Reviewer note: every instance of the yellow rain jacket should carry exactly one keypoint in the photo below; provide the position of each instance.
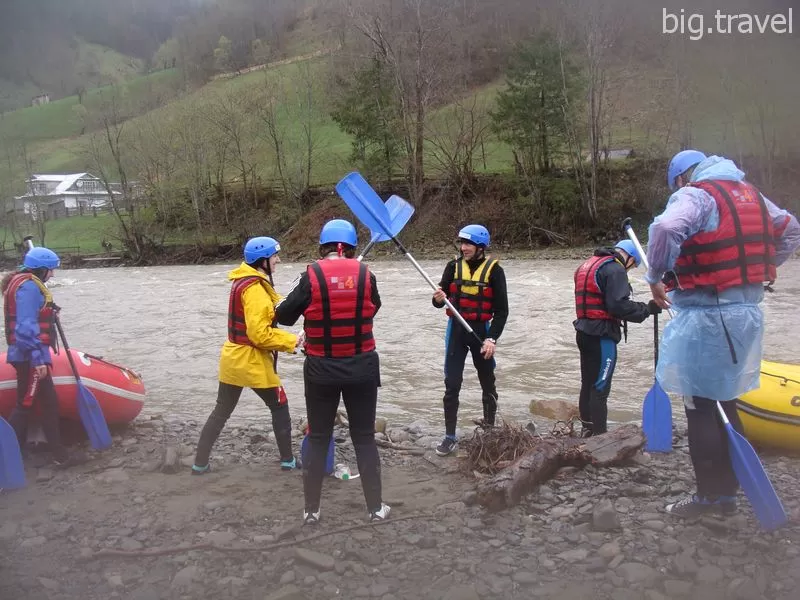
(249, 366)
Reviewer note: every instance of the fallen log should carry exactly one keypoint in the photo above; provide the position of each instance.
(548, 455)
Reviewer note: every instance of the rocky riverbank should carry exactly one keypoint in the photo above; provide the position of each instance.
(589, 533)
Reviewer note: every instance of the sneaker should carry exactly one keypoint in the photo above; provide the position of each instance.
(310, 518)
(201, 470)
(447, 446)
(288, 465)
(694, 506)
(381, 514)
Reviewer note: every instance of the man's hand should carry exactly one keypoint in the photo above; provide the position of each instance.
(439, 296)
(653, 307)
(41, 371)
(488, 348)
(660, 295)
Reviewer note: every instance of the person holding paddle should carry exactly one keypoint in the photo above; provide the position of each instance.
(476, 287)
(602, 305)
(30, 315)
(247, 358)
(711, 252)
(338, 297)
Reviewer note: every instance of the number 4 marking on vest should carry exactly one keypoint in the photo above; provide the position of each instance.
(350, 284)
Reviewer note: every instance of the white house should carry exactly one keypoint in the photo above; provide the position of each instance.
(63, 195)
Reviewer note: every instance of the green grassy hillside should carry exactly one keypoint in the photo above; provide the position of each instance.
(92, 65)
(64, 118)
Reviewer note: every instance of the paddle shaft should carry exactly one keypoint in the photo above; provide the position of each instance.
(366, 249)
(655, 340)
(66, 349)
(632, 235)
(420, 270)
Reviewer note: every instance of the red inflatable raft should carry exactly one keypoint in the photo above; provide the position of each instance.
(119, 391)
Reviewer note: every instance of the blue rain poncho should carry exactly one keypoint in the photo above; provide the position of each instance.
(694, 356)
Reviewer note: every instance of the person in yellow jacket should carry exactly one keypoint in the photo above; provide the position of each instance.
(250, 353)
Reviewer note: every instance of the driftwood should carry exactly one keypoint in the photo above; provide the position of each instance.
(539, 464)
(398, 448)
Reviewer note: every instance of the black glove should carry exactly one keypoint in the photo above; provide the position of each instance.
(654, 308)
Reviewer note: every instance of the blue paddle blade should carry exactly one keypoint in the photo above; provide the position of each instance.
(754, 481)
(400, 212)
(366, 205)
(12, 471)
(657, 420)
(92, 418)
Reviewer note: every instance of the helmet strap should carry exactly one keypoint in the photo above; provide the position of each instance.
(340, 249)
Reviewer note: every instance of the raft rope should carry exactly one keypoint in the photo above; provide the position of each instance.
(785, 379)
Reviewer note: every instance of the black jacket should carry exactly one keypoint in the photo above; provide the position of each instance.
(497, 280)
(321, 369)
(613, 281)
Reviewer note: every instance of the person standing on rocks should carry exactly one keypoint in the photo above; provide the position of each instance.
(713, 249)
(30, 315)
(602, 304)
(338, 297)
(249, 354)
(476, 287)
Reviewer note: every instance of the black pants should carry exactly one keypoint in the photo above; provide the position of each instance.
(360, 401)
(46, 401)
(708, 446)
(598, 359)
(459, 342)
(227, 399)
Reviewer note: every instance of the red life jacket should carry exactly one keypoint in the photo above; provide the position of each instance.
(470, 292)
(740, 251)
(338, 321)
(46, 312)
(590, 301)
(237, 328)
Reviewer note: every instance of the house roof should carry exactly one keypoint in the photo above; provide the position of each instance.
(65, 180)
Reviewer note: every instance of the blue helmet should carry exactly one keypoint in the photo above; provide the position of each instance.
(680, 163)
(475, 234)
(260, 247)
(338, 230)
(38, 258)
(629, 247)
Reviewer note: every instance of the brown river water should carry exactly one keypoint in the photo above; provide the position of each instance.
(168, 324)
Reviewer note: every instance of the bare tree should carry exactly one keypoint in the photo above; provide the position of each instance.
(229, 113)
(37, 205)
(413, 42)
(456, 136)
(107, 151)
(290, 119)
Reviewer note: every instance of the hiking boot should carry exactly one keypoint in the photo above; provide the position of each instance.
(381, 514)
(447, 446)
(483, 423)
(310, 518)
(201, 470)
(694, 506)
(290, 464)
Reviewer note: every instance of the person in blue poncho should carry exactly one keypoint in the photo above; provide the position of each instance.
(711, 252)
